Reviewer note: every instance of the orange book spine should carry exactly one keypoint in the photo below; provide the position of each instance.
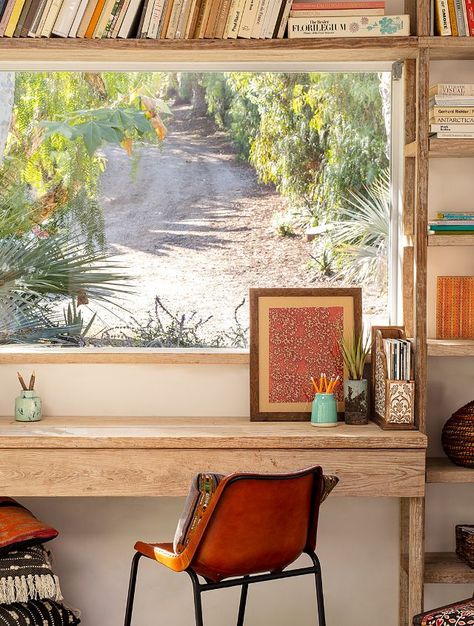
(94, 19)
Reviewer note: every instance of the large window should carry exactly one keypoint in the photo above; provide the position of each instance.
(138, 208)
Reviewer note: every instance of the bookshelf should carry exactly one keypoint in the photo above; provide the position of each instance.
(450, 240)
(450, 347)
(442, 470)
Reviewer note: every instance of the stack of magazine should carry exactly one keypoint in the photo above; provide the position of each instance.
(399, 361)
(452, 223)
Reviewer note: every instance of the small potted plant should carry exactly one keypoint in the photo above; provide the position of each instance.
(355, 355)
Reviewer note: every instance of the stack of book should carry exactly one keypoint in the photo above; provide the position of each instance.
(152, 19)
(452, 18)
(452, 223)
(399, 361)
(344, 19)
(452, 111)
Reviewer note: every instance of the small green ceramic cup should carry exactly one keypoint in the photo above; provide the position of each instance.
(324, 410)
(28, 407)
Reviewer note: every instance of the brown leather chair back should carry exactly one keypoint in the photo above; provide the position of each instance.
(259, 523)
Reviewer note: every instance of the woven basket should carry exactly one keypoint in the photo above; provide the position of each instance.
(458, 436)
(465, 543)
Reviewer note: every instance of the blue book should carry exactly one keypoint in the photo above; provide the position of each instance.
(451, 227)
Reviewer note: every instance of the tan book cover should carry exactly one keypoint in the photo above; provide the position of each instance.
(51, 17)
(259, 17)
(174, 19)
(34, 28)
(6, 16)
(193, 17)
(121, 16)
(231, 18)
(81, 31)
(443, 21)
(203, 19)
(183, 19)
(155, 19)
(282, 20)
(452, 18)
(272, 16)
(65, 18)
(166, 19)
(211, 22)
(248, 19)
(221, 20)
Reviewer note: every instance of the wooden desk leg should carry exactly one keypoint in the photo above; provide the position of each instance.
(412, 533)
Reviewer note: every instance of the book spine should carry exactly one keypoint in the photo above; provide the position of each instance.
(145, 17)
(183, 20)
(461, 111)
(193, 18)
(442, 18)
(230, 18)
(259, 16)
(174, 19)
(23, 16)
(203, 19)
(248, 19)
(348, 27)
(94, 19)
(14, 17)
(77, 19)
(235, 20)
(462, 6)
(452, 18)
(37, 18)
(34, 8)
(470, 16)
(445, 135)
(459, 6)
(155, 20)
(344, 6)
(51, 18)
(129, 19)
(301, 7)
(112, 17)
(65, 18)
(440, 119)
(103, 19)
(272, 18)
(211, 22)
(222, 19)
(282, 21)
(86, 18)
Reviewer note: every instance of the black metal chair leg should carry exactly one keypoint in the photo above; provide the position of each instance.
(131, 589)
(197, 597)
(243, 603)
(319, 589)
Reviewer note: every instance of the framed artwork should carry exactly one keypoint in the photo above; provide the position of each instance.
(296, 334)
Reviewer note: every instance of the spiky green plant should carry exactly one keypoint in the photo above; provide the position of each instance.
(354, 354)
(362, 233)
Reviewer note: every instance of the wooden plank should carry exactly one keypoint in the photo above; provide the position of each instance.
(370, 473)
(409, 180)
(421, 249)
(192, 356)
(451, 240)
(148, 52)
(412, 558)
(408, 268)
(451, 148)
(445, 567)
(448, 48)
(411, 149)
(198, 433)
(450, 347)
(423, 18)
(442, 470)
(410, 9)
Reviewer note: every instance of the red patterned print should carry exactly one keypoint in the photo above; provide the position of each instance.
(304, 342)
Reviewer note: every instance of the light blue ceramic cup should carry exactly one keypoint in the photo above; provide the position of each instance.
(324, 410)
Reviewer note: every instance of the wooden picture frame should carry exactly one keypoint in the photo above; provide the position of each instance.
(280, 390)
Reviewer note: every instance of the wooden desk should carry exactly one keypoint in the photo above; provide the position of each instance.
(100, 456)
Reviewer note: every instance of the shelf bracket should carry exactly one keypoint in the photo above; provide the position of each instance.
(397, 70)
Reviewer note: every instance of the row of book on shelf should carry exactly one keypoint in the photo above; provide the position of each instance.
(198, 19)
(398, 356)
(452, 111)
(452, 18)
(452, 223)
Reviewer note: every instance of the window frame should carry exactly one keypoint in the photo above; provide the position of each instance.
(42, 354)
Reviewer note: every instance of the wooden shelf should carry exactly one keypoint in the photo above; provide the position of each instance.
(450, 240)
(445, 567)
(448, 48)
(444, 148)
(62, 52)
(441, 470)
(450, 347)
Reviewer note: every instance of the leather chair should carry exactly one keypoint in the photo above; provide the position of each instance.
(254, 527)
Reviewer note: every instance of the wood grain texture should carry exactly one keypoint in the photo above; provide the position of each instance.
(408, 269)
(103, 52)
(421, 248)
(445, 567)
(451, 148)
(422, 18)
(448, 48)
(450, 347)
(409, 180)
(450, 240)
(442, 470)
(197, 433)
(41, 354)
(126, 472)
(412, 524)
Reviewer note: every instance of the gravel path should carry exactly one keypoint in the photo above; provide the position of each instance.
(195, 225)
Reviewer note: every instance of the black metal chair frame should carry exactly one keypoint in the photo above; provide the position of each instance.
(244, 582)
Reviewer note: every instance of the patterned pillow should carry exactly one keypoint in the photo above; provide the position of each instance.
(457, 613)
(26, 574)
(200, 494)
(19, 527)
(37, 613)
